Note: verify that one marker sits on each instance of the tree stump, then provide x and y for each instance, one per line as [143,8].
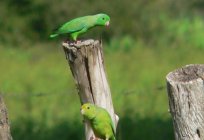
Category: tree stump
[4,123]
[86,62]
[185,88]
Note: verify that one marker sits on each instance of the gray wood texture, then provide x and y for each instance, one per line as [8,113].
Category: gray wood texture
[185,88]
[4,122]
[86,62]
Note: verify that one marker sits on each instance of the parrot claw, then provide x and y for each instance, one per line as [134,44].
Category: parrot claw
[93,138]
[77,41]
[73,43]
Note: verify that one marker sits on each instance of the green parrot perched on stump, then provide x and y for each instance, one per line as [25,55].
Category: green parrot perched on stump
[100,121]
[80,25]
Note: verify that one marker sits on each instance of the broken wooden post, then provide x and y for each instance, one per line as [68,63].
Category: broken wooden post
[185,88]
[86,62]
[4,123]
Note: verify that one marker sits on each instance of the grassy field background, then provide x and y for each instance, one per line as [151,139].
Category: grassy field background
[43,104]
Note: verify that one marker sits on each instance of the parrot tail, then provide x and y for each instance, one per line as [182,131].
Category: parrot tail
[53,35]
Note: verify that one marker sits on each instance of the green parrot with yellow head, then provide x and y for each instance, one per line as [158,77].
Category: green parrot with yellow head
[100,121]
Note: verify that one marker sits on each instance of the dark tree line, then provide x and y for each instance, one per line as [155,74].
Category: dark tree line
[34,19]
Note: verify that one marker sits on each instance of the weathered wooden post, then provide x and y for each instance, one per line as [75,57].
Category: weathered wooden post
[185,88]
[4,123]
[86,62]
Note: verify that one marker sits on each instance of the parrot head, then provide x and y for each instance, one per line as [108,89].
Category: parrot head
[103,20]
[88,110]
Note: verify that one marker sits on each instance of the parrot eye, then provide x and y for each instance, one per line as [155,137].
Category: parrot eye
[88,107]
[103,18]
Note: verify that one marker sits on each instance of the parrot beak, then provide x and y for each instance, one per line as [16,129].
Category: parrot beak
[82,111]
[107,23]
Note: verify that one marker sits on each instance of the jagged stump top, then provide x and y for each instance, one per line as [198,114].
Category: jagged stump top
[80,43]
[187,73]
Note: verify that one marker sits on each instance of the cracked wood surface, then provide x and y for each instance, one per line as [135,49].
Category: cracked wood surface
[4,123]
[86,62]
[185,88]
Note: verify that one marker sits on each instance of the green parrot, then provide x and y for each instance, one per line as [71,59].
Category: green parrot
[80,25]
[100,121]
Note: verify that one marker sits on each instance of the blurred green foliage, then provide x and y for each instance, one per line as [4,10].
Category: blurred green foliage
[43,104]
[33,20]
[146,40]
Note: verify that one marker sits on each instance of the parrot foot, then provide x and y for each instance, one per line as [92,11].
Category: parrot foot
[74,43]
[93,138]
[77,41]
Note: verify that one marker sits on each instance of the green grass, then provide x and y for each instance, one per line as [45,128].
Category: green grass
[40,94]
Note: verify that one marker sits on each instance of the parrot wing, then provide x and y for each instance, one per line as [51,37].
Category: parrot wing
[107,118]
[71,26]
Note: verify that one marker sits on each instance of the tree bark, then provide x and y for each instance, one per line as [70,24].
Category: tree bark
[4,123]
[87,66]
[185,88]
